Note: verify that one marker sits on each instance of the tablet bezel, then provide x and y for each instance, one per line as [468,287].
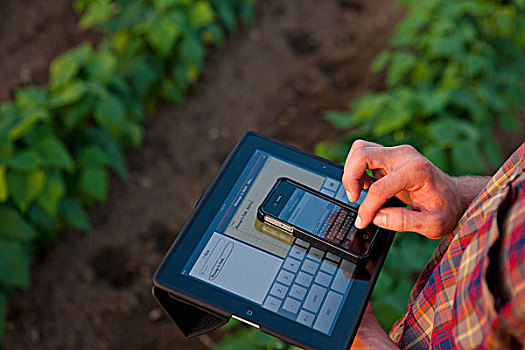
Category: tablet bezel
[227,304]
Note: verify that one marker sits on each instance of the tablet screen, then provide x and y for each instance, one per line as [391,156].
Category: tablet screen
[268,267]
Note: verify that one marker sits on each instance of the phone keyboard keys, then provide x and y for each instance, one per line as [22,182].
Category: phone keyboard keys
[291,305]
[315,253]
[304,279]
[329,267]
[323,279]
[272,304]
[328,312]
[291,264]
[314,298]
[285,277]
[306,318]
[298,292]
[309,266]
[279,290]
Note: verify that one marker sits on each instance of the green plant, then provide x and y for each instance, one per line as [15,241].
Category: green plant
[58,142]
[454,72]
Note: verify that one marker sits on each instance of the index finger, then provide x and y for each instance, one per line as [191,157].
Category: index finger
[363,155]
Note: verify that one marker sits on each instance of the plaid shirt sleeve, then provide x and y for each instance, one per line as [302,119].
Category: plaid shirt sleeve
[472,292]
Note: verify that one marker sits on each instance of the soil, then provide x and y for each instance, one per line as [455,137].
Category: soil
[278,77]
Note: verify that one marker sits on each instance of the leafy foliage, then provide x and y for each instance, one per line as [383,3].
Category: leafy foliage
[454,72]
[58,143]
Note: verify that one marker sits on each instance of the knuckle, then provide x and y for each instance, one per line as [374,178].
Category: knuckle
[359,143]
[377,189]
[403,221]
[407,149]
[421,165]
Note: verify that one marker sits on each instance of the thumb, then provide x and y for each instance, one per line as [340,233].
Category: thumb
[404,219]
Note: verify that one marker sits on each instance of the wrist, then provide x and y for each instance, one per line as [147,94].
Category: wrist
[467,188]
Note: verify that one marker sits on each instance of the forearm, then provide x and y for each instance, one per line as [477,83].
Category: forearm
[468,187]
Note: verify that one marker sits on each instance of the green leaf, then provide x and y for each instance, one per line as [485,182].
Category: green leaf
[92,156]
[25,160]
[30,96]
[142,75]
[201,14]
[45,224]
[67,94]
[341,120]
[380,61]
[14,265]
[401,64]
[74,215]
[94,182]
[13,226]
[62,71]
[163,5]
[53,153]
[466,158]
[98,12]
[25,187]
[226,13]
[26,123]
[111,115]
[391,120]
[73,115]
[112,149]
[101,66]
[52,193]
[162,35]
[134,135]
[65,67]
[4,189]
[436,155]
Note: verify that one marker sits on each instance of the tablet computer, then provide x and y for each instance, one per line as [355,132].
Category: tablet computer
[227,263]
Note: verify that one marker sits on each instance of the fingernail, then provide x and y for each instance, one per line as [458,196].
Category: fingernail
[358,222]
[350,197]
[380,219]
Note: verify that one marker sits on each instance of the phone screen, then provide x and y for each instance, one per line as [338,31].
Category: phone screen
[318,216]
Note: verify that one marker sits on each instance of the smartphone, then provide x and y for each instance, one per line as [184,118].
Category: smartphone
[317,218]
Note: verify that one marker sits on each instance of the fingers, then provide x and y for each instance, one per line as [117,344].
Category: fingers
[363,155]
[403,219]
[378,193]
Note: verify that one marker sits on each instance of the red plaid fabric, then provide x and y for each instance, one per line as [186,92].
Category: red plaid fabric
[471,294]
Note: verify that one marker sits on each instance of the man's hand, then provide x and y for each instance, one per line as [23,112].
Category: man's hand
[437,199]
[370,335]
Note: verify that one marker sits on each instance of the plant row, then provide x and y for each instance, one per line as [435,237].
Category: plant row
[59,142]
[454,74]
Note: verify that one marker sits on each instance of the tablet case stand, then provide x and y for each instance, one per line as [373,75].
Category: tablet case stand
[190,319]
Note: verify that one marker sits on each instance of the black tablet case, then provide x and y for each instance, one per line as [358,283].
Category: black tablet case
[191,320]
